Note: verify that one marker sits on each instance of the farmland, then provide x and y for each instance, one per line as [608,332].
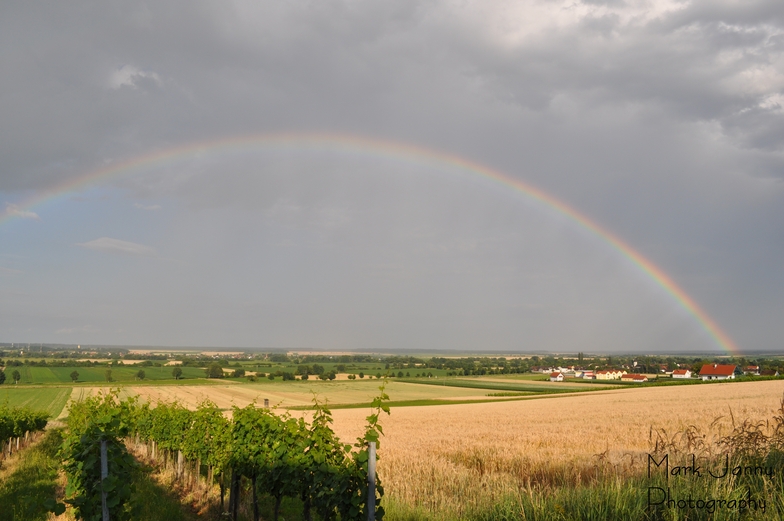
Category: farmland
[528,446]
[300,393]
[51,400]
[50,375]
[457,461]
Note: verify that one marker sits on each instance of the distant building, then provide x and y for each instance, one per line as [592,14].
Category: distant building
[752,370]
[556,377]
[717,372]
[634,378]
[681,373]
[769,372]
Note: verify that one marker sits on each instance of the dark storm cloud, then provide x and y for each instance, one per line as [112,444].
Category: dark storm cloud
[660,120]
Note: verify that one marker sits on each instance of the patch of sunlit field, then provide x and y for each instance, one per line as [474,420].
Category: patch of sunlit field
[298,393]
[467,456]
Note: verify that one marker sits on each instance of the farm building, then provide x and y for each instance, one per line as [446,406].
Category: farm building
[717,372]
[588,375]
[556,377]
[681,373]
[769,372]
[752,370]
[634,378]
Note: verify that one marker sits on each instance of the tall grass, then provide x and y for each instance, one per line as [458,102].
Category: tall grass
[28,483]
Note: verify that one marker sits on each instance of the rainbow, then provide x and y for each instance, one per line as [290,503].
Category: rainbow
[396,150]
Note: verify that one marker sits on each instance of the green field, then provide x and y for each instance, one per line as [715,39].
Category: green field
[51,400]
[59,375]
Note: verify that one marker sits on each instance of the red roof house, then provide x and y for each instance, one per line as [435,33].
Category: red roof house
[717,372]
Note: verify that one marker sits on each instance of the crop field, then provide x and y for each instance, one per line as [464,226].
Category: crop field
[300,393]
[507,384]
[461,457]
[51,400]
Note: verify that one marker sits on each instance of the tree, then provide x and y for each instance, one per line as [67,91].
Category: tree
[176,373]
[361,374]
[74,376]
[16,376]
[140,374]
[2,377]
[108,375]
[238,373]
[214,370]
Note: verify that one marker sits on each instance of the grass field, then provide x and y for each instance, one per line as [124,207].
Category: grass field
[51,400]
[120,374]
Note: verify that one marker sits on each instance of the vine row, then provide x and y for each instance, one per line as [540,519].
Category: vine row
[279,455]
[17,425]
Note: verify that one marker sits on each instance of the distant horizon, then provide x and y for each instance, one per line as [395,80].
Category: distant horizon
[404,351]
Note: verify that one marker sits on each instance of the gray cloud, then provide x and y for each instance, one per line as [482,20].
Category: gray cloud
[107,244]
[659,120]
[148,207]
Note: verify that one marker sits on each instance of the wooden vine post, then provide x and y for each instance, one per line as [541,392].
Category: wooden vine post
[104,475]
[371,500]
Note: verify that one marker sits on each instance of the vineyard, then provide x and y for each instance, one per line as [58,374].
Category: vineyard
[257,450]
[18,427]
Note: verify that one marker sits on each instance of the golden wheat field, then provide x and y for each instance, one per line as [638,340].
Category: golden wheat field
[457,457]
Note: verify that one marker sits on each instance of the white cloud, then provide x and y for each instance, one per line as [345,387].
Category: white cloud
[15,211]
[149,208]
[110,245]
[130,76]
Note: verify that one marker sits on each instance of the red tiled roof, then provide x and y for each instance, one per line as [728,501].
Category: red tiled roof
[717,370]
[680,371]
[634,377]
[554,375]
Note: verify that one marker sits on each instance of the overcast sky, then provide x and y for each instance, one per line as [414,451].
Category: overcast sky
[661,121]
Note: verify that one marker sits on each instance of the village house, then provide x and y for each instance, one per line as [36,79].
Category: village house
[717,372]
[634,378]
[769,372]
[556,377]
[752,370]
[611,374]
[588,374]
[681,373]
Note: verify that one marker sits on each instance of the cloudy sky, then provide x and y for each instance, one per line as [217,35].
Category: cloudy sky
[662,122]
